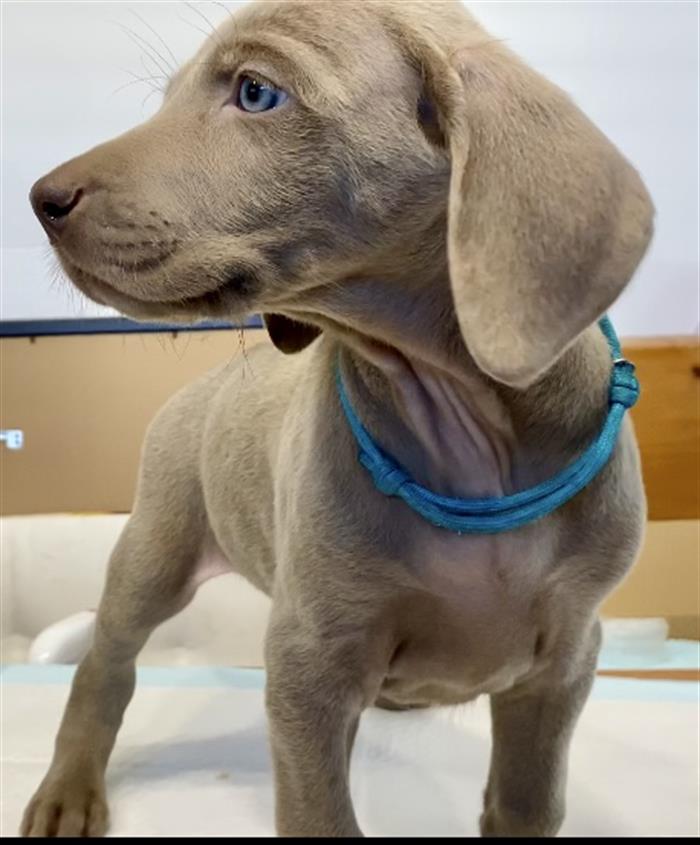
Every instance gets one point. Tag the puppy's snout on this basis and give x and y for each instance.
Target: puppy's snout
(53, 204)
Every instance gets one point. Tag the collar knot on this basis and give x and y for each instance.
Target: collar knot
(388, 477)
(624, 385)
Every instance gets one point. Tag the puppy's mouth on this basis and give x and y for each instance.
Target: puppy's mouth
(228, 298)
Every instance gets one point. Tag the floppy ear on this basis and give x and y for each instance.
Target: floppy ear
(547, 221)
(289, 336)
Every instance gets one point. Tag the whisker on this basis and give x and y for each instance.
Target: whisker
(151, 51)
(172, 337)
(188, 341)
(206, 34)
(136, 76)
(147, 97)
(149, 71)
(225, 8)
(206, 20)
(160, 38)
(144, 79)
(242, 348)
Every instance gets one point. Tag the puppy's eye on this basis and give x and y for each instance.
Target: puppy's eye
(254, 95)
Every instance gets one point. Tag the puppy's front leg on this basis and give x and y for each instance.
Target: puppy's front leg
(146, 584)
(532, 725)
(317, 686)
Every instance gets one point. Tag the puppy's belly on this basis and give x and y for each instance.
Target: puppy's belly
(211, 563)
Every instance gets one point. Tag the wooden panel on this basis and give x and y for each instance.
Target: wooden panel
(652, 674)
(665, 581)
(83, 403)
(667, 421)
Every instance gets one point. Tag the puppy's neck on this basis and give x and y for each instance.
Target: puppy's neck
(418, 391)
(448, 430)
(461, 434)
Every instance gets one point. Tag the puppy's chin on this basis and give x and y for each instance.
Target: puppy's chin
(230, 301)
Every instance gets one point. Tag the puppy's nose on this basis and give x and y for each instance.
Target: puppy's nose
(53, 203)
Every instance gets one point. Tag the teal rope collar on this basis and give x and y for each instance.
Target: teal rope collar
(504, 513)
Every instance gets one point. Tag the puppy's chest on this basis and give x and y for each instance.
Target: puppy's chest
(478, 571)
(473, 620)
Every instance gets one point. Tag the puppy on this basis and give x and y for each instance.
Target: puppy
(434, 229)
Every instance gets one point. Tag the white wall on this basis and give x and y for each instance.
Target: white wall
(632, 66)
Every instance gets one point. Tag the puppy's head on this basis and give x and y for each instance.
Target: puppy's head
(310, 143)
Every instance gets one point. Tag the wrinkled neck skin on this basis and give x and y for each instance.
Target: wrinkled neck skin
(448, 431)
(418, 392)
(434, 413)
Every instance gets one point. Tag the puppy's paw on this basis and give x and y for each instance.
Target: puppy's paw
(67, 806)
(495, 823)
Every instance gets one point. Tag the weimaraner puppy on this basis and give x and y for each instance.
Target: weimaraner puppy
(435, 230)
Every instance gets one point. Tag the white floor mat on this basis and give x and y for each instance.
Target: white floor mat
(192, 758)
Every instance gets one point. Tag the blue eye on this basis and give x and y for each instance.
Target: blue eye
(254, 95)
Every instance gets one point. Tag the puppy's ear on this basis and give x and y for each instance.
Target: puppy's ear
(288, 335)
(547, 221)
